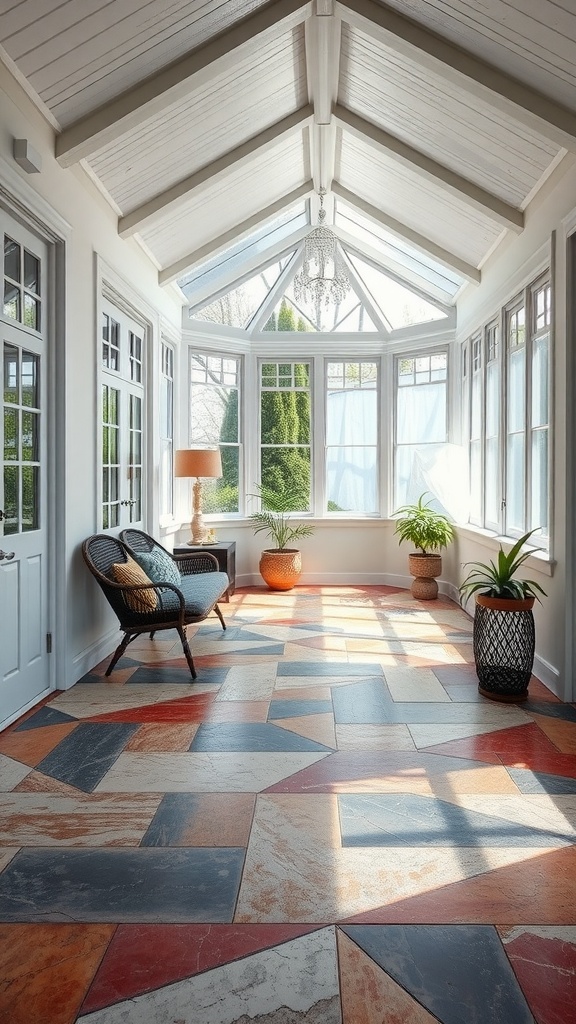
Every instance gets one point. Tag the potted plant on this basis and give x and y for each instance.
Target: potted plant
(280, 566)
(429, 531)
(503, 634)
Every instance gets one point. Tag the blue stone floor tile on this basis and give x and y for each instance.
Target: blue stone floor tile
(407, 819)
(250, 737)
(83, 757)
(45, 716)
(163, 885)
(174, 674)
(567, 712)
(368, 702)
(532, 783)
(298, 708)
(460, 973)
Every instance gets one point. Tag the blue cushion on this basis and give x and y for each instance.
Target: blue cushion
(201, 591)
(158, 566)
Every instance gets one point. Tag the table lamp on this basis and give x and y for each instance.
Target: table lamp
(201, 463)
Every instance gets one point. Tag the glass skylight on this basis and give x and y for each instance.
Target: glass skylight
(399, 306)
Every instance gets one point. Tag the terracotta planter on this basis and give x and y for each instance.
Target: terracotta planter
(424, 568)
(504, 642)
(281, 570)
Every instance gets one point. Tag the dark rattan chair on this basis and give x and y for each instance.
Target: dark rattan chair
(202, 586)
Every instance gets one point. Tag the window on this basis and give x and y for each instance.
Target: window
(285, 430)
(421, 422)
(122, 419)
(352, 437)
(215, 421)
(166, 429)
(509, 417)
(21, 285)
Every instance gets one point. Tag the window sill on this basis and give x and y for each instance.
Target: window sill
(538, 560)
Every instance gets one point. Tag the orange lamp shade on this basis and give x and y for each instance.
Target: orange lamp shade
(198, 462)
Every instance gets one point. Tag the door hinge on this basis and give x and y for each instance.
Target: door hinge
(48, 643)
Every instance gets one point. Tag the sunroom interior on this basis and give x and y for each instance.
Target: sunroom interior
(164, 167)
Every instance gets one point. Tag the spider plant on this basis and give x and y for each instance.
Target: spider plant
(427, 530)
(274, 519)
(496, 578)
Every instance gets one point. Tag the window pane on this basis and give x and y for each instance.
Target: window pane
(421, 414)
(516, 394)
(30, 381)
(11, 437)
(11, 301)
(11, 500)
(492, 400)
(352, 417)
(11, 381)
(31, 312)
(476, 481)
(288, 469)
(11, 258)
(31, 273)
(215, 421)
(539, 502)
(515, 483)
(540, 382)
(351, 479)
(492, 482)
(30, 497)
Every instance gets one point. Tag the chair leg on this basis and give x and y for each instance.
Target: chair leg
(118, 652)
(187, 652)
(220, 616)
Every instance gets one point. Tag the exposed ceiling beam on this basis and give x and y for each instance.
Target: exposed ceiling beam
(322, 36)
(207, 175)
(233, 235)
(402, 231)
(507, 94)
(430, 169)
(150, 97)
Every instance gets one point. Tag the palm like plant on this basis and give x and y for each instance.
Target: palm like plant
(274, 519)
(427, 530)
(496, 579)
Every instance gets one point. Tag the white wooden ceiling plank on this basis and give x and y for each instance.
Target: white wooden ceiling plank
(231, 161)
(403, 231)
(170, 84)
(533, 39)
(175, 270)
(553, 119)
(413, 159)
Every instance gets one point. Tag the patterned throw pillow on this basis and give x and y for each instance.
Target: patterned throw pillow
(158, 566)
(129, 573)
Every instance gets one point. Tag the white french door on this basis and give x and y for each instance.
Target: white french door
(24, 570)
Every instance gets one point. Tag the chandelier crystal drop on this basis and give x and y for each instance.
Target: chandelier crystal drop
(323, 278)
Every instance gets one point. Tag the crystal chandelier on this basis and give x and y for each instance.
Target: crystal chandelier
(323, 277)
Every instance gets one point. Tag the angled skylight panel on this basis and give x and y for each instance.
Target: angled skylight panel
(401, 253)
(229, 264)
(237, 307)
(399, 306)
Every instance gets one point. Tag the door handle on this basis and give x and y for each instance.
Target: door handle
(8, 555)
(1, 515)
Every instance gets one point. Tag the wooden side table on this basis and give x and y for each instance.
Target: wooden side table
(225, 552)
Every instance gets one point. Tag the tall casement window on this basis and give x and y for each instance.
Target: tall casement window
(122, 353)
(352, 437)
(506, 402)
(215, 422)
(285, 430)
(166, 429)
(421, 421)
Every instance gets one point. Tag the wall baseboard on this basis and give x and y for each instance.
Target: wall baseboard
(92, 656)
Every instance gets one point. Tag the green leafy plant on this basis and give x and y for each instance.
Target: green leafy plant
(427, 530)
(274, 518)
(496, 579)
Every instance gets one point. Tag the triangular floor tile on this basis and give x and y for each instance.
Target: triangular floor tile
(365, 989)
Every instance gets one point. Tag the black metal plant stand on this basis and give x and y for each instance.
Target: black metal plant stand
(504, 641)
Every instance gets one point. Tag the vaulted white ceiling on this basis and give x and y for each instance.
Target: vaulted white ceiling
(203, 121)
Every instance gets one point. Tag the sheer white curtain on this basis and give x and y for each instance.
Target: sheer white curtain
(351, 447)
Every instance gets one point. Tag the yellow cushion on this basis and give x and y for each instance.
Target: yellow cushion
(130, 573)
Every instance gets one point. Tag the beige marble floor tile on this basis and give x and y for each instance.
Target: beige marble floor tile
(34, 819)
(86, 699)
(415, 684)
(203, 772)
(430, 735)
(11, 773)
(319, 728)
(249, 682)
(295, 869)
(374, 737)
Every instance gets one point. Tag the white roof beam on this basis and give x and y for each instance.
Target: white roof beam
(170, 85)
(207, 175)
(395, 227)
(435, 172)
(487, 83)
(322, 36)
(233, 235)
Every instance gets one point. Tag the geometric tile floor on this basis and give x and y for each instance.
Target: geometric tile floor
(330, 825)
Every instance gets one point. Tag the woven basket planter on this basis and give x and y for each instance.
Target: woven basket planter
(281, 570)
(424, 568)
(504, 640)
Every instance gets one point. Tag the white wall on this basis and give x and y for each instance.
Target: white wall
(92, 231)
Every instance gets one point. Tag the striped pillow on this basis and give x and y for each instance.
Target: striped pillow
(129, 573)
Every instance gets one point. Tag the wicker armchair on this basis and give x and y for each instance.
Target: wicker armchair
(151, 606)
